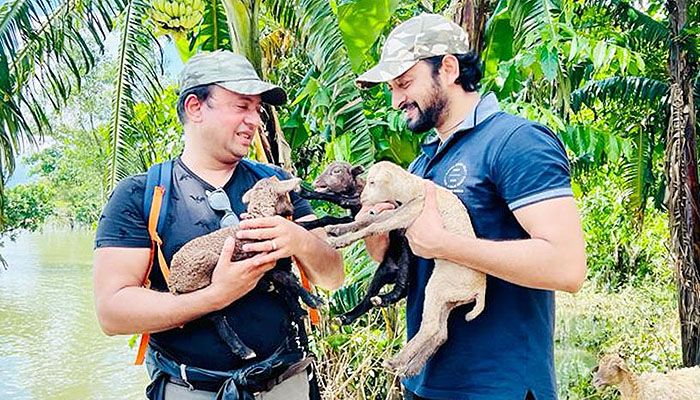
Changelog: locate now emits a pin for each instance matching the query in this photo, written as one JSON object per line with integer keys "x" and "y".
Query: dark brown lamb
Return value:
{"x": 341, "y": 184}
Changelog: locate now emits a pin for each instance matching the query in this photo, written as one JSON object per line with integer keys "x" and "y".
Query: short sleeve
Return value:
{"x": 122, "y": 223}
{"x": 531, "y": 166}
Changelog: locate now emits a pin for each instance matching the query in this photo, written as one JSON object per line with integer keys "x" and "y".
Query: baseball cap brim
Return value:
{"x": 383, "y": 72}
{"x": 269, "y": 93}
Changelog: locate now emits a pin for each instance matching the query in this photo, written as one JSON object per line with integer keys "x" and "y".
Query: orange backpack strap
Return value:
{"x": 156, "y": 205}
{"x": 314, "y": 316}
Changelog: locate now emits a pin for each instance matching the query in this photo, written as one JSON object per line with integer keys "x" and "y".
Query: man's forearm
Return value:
{"x": 534, "y": 263}
{"x": 323, "y": 264}
{"x": 137, "y": 309}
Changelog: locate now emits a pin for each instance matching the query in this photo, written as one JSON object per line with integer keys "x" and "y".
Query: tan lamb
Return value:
{"x": 450, "y": 285}
{"x": 192, "y": 266}
{"x": 679, "y": 384}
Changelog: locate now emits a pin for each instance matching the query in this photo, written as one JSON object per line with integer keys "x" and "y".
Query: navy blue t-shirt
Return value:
{"x": 495, "y": 163}
{"x": 260, "y": 318}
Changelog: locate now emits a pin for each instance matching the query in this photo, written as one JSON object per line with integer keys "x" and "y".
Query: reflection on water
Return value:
{"x": 50, "y": 344}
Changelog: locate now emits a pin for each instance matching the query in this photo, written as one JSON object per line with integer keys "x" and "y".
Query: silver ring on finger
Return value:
{"x": 274, "y": 246}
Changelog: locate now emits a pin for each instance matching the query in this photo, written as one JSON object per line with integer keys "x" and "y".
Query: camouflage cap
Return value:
{"x": 230, "y": 71}
{"x": 420, "y": 37}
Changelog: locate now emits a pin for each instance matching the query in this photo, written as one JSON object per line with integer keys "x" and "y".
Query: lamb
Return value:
{"x": 192, "y": 266}
{"x": 340, "y": 183}
{"x": 450, "y": 285}
{"x": 680, "y": 384}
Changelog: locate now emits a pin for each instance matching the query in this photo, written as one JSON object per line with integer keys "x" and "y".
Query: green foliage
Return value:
{"x": 351, "y": 356}
{"x": 73, "y": 172}
{"x": 374, "y": 16}
{"x": 620, "y": 248}
{"x": 137, "y": 73}
{"x": 640, "y": 323}
{"x": 46, "y": 48}
{"x": 27, "y": 207}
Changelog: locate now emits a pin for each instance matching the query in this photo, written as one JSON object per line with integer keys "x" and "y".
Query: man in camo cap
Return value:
{"x": 220, "y": 108}
{"x": 513, "y": 177}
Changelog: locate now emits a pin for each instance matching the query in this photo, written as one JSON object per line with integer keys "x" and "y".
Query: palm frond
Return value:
{"x": 637, "y": 172}
{"x": 213, "y": 33}
{"x": 625, "y": 89}
{"x": 530, "y": 17}
{"x": 137, "y": 74}
{"x": 242, "y": 16}
{"x": 637, "y": 25}
{"x": 284, "y": 12}
{"x": 46, "y": 47}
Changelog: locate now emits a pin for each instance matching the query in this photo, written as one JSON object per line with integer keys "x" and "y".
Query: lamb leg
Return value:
{"x": 385, "y": 273}
{"x": 324, "y": 221}
{"x": 288, "y": 281}
{"x": 347, "y": 202}
{"x": 386, "y": 221}
{"x": 398, "y": 250}
{"x": 429, "y": 337}
{"x": 230, "y": 337}
{"x": 447, "y": 288}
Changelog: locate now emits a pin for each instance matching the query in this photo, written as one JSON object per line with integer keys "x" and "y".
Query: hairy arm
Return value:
{"x": 553, "y": 258}
{"x": 125, "y": 307}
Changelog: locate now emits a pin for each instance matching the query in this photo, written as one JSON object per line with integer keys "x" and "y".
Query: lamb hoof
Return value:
{"x": 411, "y": 369}
{"x": 376, "y": 301}
{"x": 394, "y": 366}
{"x": 334, "y": 242}
{"x": 332, "y": 230}
{"x": 313, "y": 301}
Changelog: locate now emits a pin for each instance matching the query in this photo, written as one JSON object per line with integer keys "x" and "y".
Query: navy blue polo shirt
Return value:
{"x": 260, "y": 318}
{"x": 495, "y": 163}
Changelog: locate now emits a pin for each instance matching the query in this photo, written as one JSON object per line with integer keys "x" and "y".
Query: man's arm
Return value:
{"x": 553, "y": 258}
{"x": 125, "y": 307}
{"x": 283, "y": 238}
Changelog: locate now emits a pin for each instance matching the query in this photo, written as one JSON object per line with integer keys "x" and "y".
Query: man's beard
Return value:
{"x": 427, "y": 119}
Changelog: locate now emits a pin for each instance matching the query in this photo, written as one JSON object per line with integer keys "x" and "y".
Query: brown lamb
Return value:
{"x": 192, "y": 265}
{"x": 679, "y": 384}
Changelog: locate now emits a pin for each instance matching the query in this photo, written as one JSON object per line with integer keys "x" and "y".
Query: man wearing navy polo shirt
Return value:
{"x": 513, "y": 177}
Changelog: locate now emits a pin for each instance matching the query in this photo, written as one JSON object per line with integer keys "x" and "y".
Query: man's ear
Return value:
{"x": 193, "y": 108}
{"x": 450, "y": 68}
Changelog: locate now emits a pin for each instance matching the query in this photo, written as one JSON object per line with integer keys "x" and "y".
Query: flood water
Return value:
{"x": 51, "y": 346}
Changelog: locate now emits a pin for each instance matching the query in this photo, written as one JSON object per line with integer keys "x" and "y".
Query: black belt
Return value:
{"x": 214, "y": 387}
{"x": 195, "y": 385}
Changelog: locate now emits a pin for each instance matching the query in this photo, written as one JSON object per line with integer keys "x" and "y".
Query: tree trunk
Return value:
{"x": 472, "y": 15}
{"x": 682, "y": 176}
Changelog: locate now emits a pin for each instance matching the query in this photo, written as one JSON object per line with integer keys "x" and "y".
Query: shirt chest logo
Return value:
{"x": 455, "y": 177}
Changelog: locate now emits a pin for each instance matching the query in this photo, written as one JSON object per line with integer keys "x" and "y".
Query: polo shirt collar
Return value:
{"x": 486, "y": 107}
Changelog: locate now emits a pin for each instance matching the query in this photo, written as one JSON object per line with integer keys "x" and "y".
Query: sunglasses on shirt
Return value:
{"x": 218, "y": 200}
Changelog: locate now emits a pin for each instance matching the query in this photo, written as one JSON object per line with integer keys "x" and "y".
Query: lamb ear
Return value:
{"x": 357, "y": 170}
{"x": 246, "y": 197}
{"x": 621, "y": 364}
{"x": 288, "y": 185}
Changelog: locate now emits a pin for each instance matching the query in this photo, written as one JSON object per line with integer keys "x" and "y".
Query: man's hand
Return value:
{"x": 277, "y": 236}
{"x": 232, "y": 280}
{"x": 425, "y": 235}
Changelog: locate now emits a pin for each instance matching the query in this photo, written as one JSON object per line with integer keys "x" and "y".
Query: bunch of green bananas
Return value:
{"x": 176, "y": 16}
